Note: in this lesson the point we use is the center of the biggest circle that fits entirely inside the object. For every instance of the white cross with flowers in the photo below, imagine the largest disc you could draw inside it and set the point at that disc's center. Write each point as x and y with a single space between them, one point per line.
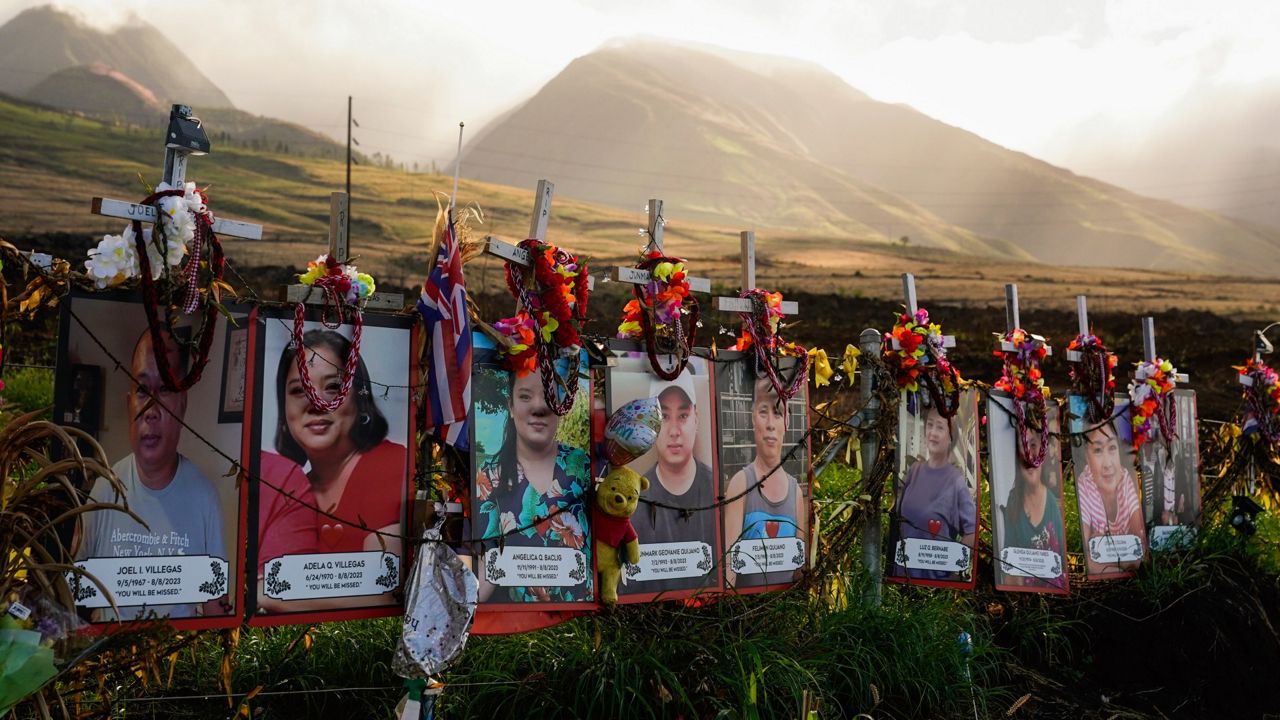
747 241
909 298
184 137
340 250
636 276
1149 346
1013 321
537 231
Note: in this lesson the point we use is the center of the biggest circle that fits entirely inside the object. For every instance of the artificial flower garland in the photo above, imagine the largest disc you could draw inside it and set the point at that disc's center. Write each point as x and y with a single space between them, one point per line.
343 285
184 227
1022 379
1093 377
552 304
1151 397
920 356
760 332
663 314
1262 397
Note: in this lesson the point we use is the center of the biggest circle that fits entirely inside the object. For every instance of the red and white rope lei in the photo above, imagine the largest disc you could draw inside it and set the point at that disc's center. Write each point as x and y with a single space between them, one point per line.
339 282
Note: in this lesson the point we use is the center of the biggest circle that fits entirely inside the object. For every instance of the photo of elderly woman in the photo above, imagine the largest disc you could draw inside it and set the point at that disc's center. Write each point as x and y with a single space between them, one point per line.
934 523
1027 519
332 501
764 460
1111 524
532 477
1171 479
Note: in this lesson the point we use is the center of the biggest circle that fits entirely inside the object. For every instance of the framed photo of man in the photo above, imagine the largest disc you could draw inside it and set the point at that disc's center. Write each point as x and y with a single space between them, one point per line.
531 493
1111 522
172 457
1028 529
1171 479
329 450
680 541
764 467
934 523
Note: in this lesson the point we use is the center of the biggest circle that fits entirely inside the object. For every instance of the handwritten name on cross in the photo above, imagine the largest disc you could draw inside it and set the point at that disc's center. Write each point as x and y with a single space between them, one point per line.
340 250
1013 321
909 298
184 137
537 231
1149 345
743 305
636 276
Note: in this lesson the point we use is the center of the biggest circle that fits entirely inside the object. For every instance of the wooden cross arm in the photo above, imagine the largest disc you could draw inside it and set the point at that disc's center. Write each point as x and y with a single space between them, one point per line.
377 301
636 276
146 213
742 305
948 341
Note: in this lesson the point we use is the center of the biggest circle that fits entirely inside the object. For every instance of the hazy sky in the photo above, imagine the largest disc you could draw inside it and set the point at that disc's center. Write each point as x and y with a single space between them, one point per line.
1025 74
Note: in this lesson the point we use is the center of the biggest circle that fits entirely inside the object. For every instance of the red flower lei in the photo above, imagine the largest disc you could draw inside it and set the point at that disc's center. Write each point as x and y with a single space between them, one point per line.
555 298
1262 398
1092 376
1021 378
663 314
151 296
921 357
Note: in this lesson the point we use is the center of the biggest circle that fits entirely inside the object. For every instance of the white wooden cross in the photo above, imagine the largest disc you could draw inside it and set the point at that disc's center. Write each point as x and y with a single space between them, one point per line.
1149 345
636 276
340 250
1082 325
1012 321
909 297
743 305
184 137
537 231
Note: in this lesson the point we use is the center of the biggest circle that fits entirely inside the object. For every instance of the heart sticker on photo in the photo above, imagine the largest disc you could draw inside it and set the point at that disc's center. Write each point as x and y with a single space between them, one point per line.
771 528
331 535
935 527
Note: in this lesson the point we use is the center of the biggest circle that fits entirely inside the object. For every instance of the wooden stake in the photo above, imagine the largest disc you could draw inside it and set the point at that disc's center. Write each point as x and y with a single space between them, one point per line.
640 277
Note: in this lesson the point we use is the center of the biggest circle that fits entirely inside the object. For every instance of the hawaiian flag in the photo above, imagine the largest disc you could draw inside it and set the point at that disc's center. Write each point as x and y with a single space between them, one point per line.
443 305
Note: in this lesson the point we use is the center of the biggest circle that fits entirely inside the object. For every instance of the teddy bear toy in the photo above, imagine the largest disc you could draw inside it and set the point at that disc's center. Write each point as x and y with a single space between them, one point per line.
616 498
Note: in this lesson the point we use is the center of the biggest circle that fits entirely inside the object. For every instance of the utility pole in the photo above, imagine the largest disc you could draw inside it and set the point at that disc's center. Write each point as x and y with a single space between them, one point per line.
346 231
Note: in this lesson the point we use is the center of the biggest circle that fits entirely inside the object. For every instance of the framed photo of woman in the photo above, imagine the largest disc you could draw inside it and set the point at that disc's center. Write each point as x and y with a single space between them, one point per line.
1171 479
934 523
531 491
679 551
1028 529
1111 523
331 504
764 464
182 561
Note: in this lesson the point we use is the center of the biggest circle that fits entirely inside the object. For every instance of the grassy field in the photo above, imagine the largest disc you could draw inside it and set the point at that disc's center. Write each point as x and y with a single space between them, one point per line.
51 164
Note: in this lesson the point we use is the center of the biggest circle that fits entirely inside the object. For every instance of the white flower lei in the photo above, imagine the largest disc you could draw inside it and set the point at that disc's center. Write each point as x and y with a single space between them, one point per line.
115 259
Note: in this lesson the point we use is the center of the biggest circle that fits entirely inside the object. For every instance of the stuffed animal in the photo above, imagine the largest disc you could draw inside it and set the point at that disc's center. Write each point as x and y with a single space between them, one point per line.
616 498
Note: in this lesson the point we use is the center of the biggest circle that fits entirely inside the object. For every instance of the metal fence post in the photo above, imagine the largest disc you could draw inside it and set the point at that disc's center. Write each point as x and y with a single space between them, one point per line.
870 340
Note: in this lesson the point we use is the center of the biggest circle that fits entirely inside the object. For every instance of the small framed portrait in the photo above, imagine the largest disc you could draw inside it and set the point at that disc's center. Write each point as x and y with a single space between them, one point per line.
1028 530
679 524
764 467
530 499
329 447
169 454
1111 521
231 399
934 523
1171 479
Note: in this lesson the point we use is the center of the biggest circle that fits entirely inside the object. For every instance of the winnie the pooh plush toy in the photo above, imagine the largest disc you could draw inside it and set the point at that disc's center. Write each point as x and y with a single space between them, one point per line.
616 498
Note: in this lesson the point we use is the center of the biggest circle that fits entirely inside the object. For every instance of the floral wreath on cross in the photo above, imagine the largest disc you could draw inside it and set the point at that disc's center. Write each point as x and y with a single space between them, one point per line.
552 303
663 314
920 357
1262 397
183 230
343 286
1151 398
1022 379
760 333
1093 376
